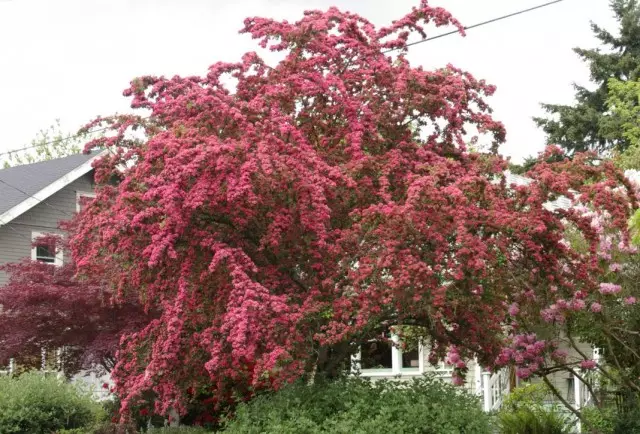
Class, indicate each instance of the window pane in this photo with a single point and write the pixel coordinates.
(45, 253)
(411, 359)
(375, 355)
(83, 200)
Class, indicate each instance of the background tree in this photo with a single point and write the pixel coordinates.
(624, 103)
(48, 144)
(278, 223)
(588, 124)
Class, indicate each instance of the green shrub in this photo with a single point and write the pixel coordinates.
(602, 420)
(34, 404)
(527, 421)
(525, 411)
(424, 405)
(179, 430)
(628, 422)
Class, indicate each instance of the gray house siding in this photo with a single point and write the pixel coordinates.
(15, 236)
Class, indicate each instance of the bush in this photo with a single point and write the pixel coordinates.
(628, 422)
(525, 412)
(424, 405)
(527, 421)
(179, 430)
(33, 403)
(602, 420)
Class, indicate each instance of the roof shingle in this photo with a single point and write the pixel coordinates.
(20, 182)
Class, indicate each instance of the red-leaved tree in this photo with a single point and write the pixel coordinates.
(48, 307)
(276, 214)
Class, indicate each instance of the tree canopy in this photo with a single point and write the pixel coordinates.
(276, 216)
(48, 307)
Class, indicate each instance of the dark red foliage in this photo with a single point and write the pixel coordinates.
(46, 306)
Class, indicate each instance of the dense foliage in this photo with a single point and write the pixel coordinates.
(527, 411)
(357, 406)
(624, 103)
(45, 306)
(35, 404)
(278, 221)
(589, 124)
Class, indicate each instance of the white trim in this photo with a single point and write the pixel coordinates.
(396, 363)
(81, 194)
(59, 259)
(49, 190)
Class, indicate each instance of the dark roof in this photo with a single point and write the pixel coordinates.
(20, 182)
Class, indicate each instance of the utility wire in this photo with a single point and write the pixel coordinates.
(13, 151)
(411, 44)
(39, 200)
(473, 26)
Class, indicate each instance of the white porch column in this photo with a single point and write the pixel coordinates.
(12, 366)
(355, 362)
(486, 388)
(477, 375)
(576, 392)
(577, 389)
(396, 355)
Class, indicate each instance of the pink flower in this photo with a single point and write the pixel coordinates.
(453, 357)
(588, 364)
(523, 373)
(615, 267)
(514, 309)
(596, 307)
(559, 354)
(630, 300)
(577, 304)
(609, 288)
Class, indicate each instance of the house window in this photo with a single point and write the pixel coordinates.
(376, 355)
(382, 358)
(571, 396)
(411, 359)
(43, 251)
(82, 197)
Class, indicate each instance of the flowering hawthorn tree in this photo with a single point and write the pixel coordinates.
(46, 306)
(277, 220)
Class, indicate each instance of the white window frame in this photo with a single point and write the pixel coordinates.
(59, 258)
(396, 363)
(81, 194)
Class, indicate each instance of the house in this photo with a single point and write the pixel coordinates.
(382, 360)
(34, 198)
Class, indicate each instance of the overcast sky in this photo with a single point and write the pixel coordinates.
(71, 59)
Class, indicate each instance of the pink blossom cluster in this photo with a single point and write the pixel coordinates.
(526, 352)
(609, 288)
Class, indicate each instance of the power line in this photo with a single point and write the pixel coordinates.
(31, 196)
(442, 35)
(473, 26)
(13, 151)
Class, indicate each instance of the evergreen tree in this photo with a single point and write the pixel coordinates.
(589, 125)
